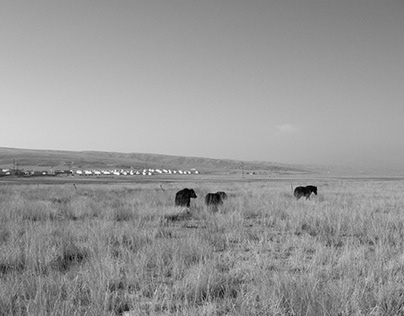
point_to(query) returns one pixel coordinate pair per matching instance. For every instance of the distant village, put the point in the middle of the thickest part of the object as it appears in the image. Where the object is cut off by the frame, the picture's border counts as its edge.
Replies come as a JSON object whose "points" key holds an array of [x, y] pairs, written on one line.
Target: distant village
{"points": [[94, 172]]}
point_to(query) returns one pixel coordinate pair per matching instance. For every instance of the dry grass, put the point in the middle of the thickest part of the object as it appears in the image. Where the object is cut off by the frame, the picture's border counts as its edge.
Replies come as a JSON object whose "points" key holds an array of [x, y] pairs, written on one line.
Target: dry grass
{"points": [[124, 248]]}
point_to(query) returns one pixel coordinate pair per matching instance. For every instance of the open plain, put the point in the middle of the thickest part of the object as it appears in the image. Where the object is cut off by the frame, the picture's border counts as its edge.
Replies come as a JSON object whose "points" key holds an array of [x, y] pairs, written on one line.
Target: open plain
{"points": [[109, 247]]}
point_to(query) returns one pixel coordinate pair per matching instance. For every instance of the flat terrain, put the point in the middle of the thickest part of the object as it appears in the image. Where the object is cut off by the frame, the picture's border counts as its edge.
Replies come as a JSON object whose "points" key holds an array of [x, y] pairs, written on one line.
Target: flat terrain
{"points": [[113, 246]]}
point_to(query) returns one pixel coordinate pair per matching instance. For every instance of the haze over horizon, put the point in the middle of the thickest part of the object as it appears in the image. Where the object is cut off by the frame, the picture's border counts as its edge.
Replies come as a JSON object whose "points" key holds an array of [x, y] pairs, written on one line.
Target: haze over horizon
{"points": [[299, 82]]}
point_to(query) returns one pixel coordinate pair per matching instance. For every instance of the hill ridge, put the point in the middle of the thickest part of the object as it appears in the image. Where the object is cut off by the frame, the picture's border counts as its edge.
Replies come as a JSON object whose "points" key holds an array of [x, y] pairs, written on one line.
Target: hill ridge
{"points": [[104, 159]]}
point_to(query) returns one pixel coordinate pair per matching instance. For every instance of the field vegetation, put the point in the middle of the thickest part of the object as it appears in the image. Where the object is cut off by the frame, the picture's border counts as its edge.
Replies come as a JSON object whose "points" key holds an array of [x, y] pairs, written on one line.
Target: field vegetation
{"points": [[110, 249]]}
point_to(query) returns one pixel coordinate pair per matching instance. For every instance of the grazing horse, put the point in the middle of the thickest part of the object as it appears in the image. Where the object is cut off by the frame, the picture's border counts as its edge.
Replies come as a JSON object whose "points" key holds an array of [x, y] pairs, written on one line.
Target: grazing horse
{"points": [[183, 197], [213, 200], [305, 191]]}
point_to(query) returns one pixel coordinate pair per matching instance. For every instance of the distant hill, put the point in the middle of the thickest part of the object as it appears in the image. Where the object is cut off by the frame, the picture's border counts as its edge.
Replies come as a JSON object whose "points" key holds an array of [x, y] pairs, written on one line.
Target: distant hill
{"points": [[58, 159]]}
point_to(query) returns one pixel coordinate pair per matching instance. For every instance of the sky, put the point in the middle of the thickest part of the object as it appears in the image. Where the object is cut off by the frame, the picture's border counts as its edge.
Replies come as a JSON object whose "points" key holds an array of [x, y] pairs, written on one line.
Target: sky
{"points": [[304, 81]]}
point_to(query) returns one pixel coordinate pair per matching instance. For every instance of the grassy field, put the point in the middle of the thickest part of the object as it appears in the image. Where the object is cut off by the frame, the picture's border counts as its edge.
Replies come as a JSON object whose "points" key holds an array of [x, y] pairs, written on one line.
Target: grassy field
{"points": [[123, 248]]}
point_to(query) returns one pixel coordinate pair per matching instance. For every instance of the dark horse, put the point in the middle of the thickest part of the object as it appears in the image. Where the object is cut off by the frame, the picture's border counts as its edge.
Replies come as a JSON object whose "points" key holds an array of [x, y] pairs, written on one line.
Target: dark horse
{"points": [[305, 191], [215, 198], [183, 197]]}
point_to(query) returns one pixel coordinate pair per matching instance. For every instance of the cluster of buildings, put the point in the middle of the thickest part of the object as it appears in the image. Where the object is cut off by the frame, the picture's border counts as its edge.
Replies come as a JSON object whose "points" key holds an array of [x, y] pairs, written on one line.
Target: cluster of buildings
{"points": [[131, 172], [97, 172]]}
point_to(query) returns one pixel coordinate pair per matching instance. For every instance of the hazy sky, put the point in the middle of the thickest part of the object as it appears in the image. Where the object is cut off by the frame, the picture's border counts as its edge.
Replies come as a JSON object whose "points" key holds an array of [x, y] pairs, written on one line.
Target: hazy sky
{"points": [[299, 81]]}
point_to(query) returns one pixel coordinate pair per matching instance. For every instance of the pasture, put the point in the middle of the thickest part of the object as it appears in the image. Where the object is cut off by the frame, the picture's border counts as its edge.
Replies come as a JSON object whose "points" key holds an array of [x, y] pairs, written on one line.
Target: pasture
{"points": [[123, 248]]}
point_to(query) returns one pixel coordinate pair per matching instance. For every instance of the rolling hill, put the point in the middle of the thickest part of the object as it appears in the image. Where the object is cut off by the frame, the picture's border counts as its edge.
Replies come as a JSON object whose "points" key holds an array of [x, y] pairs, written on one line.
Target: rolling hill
{"points": [[58, 159]]}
